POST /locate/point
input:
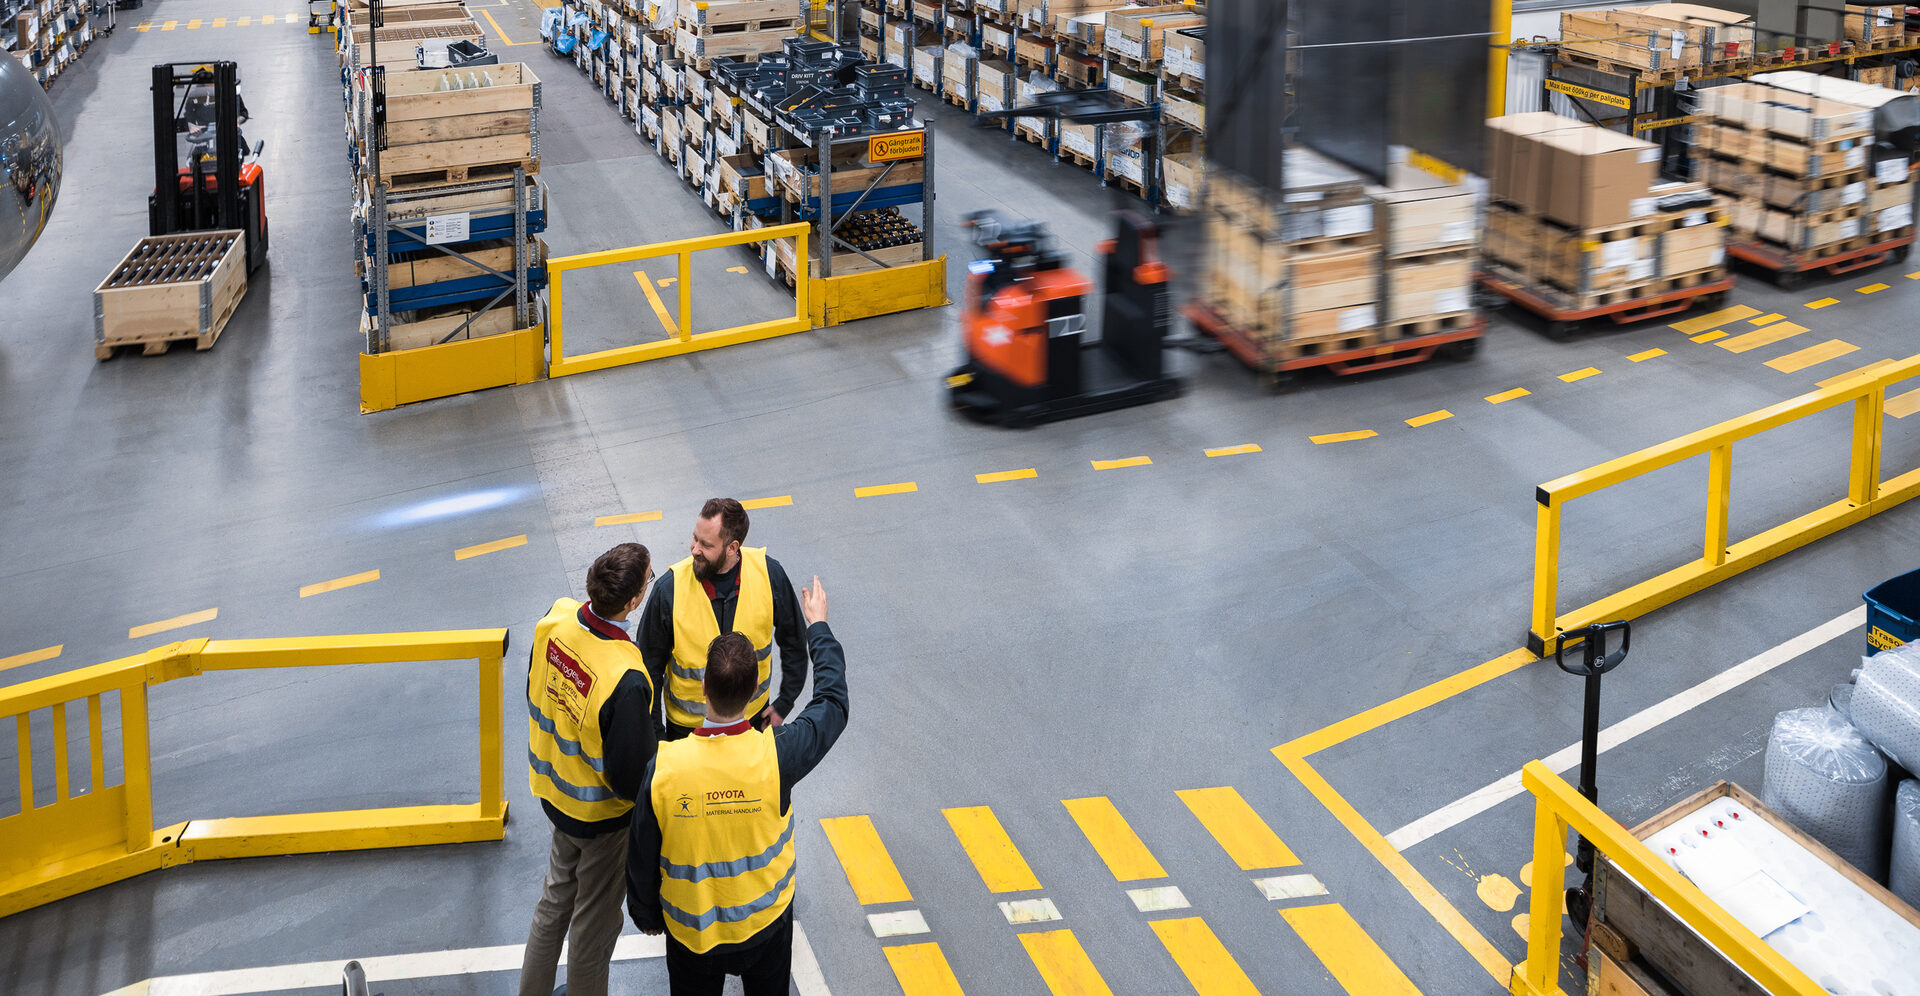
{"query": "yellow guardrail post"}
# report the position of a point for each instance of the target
(82, 841)
(1721, 556)
(681, 339)
(1557, 808)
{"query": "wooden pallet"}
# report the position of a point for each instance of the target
(1148, 66)
(959, 100)
(1324, 345)
(1129, 183)
(1192, 84)
(1083, 161)
(1031, 134)
(155, 347)
(448, 175)
(1669, 75)
(1325, 243)
(1429, 324)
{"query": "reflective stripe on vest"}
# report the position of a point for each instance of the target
(572, 673)
(726, 850)
(695, 627)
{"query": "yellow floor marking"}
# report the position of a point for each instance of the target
(177, 622)
(1429, 418)
(628, 519)
(245, 21)
(1357, 963)
(1518, 392)
(1811, 356)
(1241, 832)
(1063, 963)
(777, 501)
(1648, 355)
(1203, 958)
(1764, 319)
(994, 856)
(193, 24)
(482, 549)
(1915, 275)
(653, 297)
(1498, 892)
(504, 40)
(1870, 289)
(336, 584)
(1582, 374)
(1005, 475)
(870, 869)
(31, 657)
(1342, 437)
(1116, 843)
(145, 26)
(1825, 302)
(1710, 336)
(738, 269)
(168, 26)
(1869, 368)
(903, 488)
(219, 22)
(1694, 326)
(922, 970)
(1138, 461)
(669, 281)
(1777, 332)
(1903, 405)
(266, 19)
(1234, 450)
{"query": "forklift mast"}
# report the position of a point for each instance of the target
(224, 193)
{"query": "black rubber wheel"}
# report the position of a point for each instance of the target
(1460, 351)
(1277, 381)
(1900, 255)
(1562, 331)
(1715, 300)
(1791, 279)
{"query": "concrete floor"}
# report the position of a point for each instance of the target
(1123, 633)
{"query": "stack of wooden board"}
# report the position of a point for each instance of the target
(1657, 39)
(405, 28)
(1429, 242)
(170, 288)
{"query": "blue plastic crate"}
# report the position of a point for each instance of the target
(1891, 609)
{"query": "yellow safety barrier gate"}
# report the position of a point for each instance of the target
(104, 834)
(1558, 807)
(1867, 494)
(683, 340)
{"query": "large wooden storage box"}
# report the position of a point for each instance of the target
(171, 287)
(450, 132)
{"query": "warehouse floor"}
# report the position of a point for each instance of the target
(1130, 633)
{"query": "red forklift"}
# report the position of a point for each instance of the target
(198, 105)
(1024, 321)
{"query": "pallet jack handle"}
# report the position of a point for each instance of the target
(1595, 660)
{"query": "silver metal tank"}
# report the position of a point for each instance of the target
(29, 161)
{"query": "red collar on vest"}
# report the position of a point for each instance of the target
(707, 583)
(724, 731)
(600, 626)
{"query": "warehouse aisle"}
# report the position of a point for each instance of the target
(1072, 650)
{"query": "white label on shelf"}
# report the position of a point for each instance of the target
(1650, 155)
(1451, 300)
(447, 228)
(1850, 228)
(1890, 171)
(1356, 319)
(1621, 253)
(1456, 231)
(1854, 193)
(1856, 157)
(1180, 196)
(1695, 218)
(1898, 216)
(1355, 219)
(1679, 43)
(1641, 207)
(1641, 269)
(1122, 45)
(1882, 16)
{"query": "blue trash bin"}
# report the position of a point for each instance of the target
(1892, 607)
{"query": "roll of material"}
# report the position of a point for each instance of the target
(1903, 875)
(1840, 700)
(1886, 704)
(1824, 777)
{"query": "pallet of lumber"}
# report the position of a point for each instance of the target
(170, 288)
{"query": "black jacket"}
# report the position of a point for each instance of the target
(627, 736)
(654, 634)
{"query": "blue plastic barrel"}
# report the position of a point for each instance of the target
(1892, 607)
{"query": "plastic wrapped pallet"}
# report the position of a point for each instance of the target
(1826, 779)
(1886, 704)
(1903, 875)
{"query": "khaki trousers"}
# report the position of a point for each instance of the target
(586, 880)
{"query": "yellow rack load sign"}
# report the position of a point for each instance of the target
(898, 145)
(1589, 93)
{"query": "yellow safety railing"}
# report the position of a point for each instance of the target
(1867, 494)
(682, 340)
(102, 834)
(1558, 807)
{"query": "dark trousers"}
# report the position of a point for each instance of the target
(765, 969)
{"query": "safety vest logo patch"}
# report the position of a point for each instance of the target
(683, 807)
(568, 683)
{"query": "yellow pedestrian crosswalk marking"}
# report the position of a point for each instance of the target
(1872, 288)
(1241, 832)
(243, 22)
(266, 19)
(627, 519)
(1648, 355)
(1357, 963)
(922, 970)
(868, 866)
(193, 24)
(1869, 368)
(1764, 319)
(482, 549)
(1825, 302)
(1138, 461)
(322, 587)
(1063, 963)
(1203, 958)
(1694, 326)
(1006, 475)
(1234, 450)
(1342, 437)
(777, 501)
(1903, 405)
(906, 487)
(1505, 396)
(999, 862)
(1710, 336)
(219, 22)
(1777, 332)
(1581, 374)
(1113, 839)
(1429, 418)
(168, 26)
(1811, 356)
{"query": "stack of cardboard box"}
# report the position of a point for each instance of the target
(1430, 231)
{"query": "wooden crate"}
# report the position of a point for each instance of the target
(1185, 107)
(436, 136)
(170, 288)
(400, 44)
(1792, 156)
(1876, 22)
(440, 267)
(1423, 286)
(1659, 37)
(741, 175)
(1426, 219)
(1612, 260)
(1136, 36)
(845, 263)
(1181, 174)
(1789, 115)
(701, 49)
(1184, 56)
(792, 174)
(434, 326)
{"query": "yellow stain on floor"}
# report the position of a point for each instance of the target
(1506, 396)
(1429, 418)
(1825, 302)
(1648, 355)
(1343, 437)
(1498, 892)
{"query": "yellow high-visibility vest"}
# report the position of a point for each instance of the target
(572, 674)
(726, 850)
(695, 627)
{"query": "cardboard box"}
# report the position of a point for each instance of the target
(1595, 178)
(1782, 112)
(1341, 278)
(1509, 181)
(1426, 219)
(1428, 286)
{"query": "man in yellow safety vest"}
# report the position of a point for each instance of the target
(722, 587)
(711, 854)
(590, 737)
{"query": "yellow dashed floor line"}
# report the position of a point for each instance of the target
(777, 501)
(1777, 332)
(1239, 450)
(1343, 437)
(1429, 418)
(1579, 375)
(922, 970)
(1063, 964)
(1825, 302)
(994, 856)
(627, 519)
(177, 622)
(482, 549)
(1006, 475)
(1870, 289)
(1138, 461)
(1764, 319)
(863, 857)
(31, 657)
(1238, 829)
(1506, 396)
(1341, 944)
(322, 587)
(1695, 326)
(1869, 368)
(1799, 360)
(1710, 336)
(905, 487)
(1202, 958)
(1648, 355)
(1903, 405)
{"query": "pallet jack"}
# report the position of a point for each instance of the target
(221, 186)
(1024, 322)
(1595, 661)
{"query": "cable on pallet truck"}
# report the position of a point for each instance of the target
(1595, 661)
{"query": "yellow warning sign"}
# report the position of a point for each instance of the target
(896, 145)
(1665, 122)
(1589, 93)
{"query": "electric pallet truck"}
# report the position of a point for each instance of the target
(1024, 321)
(221, 185)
